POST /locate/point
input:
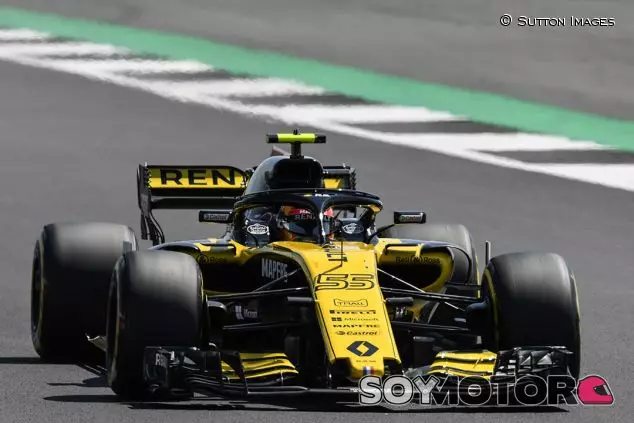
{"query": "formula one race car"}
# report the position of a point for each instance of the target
(303, 292)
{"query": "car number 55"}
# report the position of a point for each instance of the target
(344, 281)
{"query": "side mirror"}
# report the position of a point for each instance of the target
(401, 217)
(214, 216)
(409, 217)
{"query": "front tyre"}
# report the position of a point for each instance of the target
(156, 299)
(533, 299)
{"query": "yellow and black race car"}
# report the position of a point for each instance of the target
(303, 293)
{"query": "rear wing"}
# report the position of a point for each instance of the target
(185, 188)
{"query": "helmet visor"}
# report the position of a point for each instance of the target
(303, 223)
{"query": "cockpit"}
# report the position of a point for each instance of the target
(315, 215)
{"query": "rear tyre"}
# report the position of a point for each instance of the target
(72, 267)
(534, 301)
(156, 299)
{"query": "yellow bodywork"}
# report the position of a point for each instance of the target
(258, 365)
(464, 364)
(335, 182)
(349, 304)
(292, 138)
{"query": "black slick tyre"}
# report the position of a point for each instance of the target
(70, 280)
(533, 299)
(156, 299)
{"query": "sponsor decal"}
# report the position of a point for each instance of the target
(213, 217)
(352, 311)
(355, 319)
(161, 361)
(350, 303)
(242, 313)
(304, 215)
(409, 218)
(258, 229)
(344, 281)
(352, 326)
(357, 332)
(529, 390)
(250, 314)
(352, 228)
(217, 177)
(403, 217)
(272, 269)
(335, 253)
(362, 348)
(418, 260)
(204, 259)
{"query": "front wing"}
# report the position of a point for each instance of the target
(234, 374)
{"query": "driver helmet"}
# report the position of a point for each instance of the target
(300, 224)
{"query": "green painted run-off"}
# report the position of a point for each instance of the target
(478, 106)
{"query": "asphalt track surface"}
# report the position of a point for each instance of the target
(69, 153)
(443, 41)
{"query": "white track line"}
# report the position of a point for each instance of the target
(613, 175)
(252, 87)
(359, 113)
(492, 142)
(113, 66)
(60, 49)
(21, 34)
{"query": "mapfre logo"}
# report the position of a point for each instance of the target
(350, 303)
(272, 269)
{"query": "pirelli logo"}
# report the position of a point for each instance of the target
(199, 177)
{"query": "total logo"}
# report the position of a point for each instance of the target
(350, 303)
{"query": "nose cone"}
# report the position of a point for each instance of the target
(355, 326)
